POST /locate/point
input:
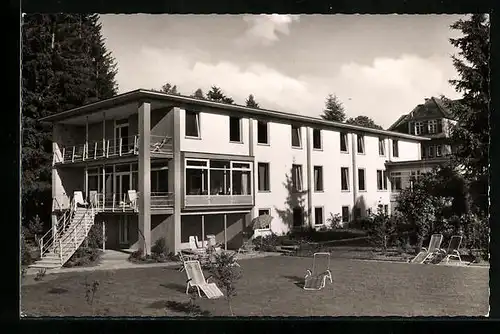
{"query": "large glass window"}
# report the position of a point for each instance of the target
(217, 177)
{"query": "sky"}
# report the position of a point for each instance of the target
(380, 66)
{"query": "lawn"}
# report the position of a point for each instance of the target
(271, 287)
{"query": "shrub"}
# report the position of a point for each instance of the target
(94, 238)
(380, 229)
(267, 243)
(226, 272)
(160, 247)
(26, 258)
(84, 256)
(334, 221)
(476, 234)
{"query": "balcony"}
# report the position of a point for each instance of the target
(160, 203)
(111, 148)
(218, 200)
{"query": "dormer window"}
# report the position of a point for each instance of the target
(432, 126)
(419, 128)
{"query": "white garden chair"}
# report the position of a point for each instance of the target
(316, 277)
(195, 278)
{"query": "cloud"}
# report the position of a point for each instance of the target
(382, 90)
(265, 29)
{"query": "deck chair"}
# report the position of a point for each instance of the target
(316, 278)
(195, 278)
(195, 245)
(93, 197)
(452, 251)
(158, 145)
(78, 196)
(427, 253)
(183, 258)
(132, 198)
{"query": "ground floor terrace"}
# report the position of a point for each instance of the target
(270, 286)
(122, 231)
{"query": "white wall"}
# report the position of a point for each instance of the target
(214, 135)
(214, 130)
(280, 155)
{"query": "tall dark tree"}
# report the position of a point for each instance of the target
(169, 89)
(198, 94)
(251, 103)
(471, 134)
(364, 121)
(216, 94)
(334, 109)
(64, 65)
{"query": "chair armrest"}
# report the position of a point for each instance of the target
(208, 278)
(308, 272)
(189, 280)
(424, 249)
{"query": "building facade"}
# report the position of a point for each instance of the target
(201, 168)
(431, 119)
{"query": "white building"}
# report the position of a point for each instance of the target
(202, 167)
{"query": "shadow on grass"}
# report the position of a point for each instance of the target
(187, 308)
(58, 291)
(297, 280)
(175, 287)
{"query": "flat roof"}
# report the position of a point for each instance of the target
(144, 94)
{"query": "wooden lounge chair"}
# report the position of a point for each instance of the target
(78, 197)
(452, 251)
(183, 258)
(316, 278)
(195, 278)
(430, 252)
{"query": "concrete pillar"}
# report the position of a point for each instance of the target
(144, 177)
(54, 226)
(225, 231)
(251, 147)
(309, 171)
(354, 152)
(175, 169)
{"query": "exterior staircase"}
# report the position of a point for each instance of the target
(57, 246)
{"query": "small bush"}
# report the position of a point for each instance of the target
(94, 238)
(84, 256)
(160, 247)
(26, 258)
(267, 243)
(137, 257)
(334, 221)
(226, 272)
(40, 274)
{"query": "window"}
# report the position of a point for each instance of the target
(216, 177)
(235, 129)
(318, 216)
(241, 178)
(439, 151)
(386, 209)
(122, 136)
(192, 124)
(196, 177)
(430, 151)
(422, 154)
(381, 180)
(296, 137)
(264, 212)
(159, 180)
(220, 177)
(298, 217)
(345, 214)
(343, 142)
(361, 180)
(381, 146)
(361, 144)
(419, 128)
(263, 175)
(317, 139)
(395, 148)
(344, 174)
(262, 132)
(432, 125)
(395, 181)
(297, 177)
(318, 178)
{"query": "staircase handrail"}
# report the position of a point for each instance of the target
(47, 241)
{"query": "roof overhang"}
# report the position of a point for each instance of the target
(142, 95)
(418, 163)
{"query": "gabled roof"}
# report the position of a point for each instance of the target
(144, 94)
(430, 105)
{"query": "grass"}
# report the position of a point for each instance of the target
(271, 287)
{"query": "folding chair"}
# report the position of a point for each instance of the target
(78, 196)
(315, 279)
(159, 145)
(183, 258)
(452, 251)
(427, 253)
(195, 278)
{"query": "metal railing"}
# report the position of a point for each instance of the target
(113, 202)
(48, 241)
(108, 148)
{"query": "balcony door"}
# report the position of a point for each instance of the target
(122, 136)
(123, 182)
(123, 230)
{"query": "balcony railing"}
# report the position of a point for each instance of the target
(161, 200)
(122, 202)
(109, 148)
(217, 200)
